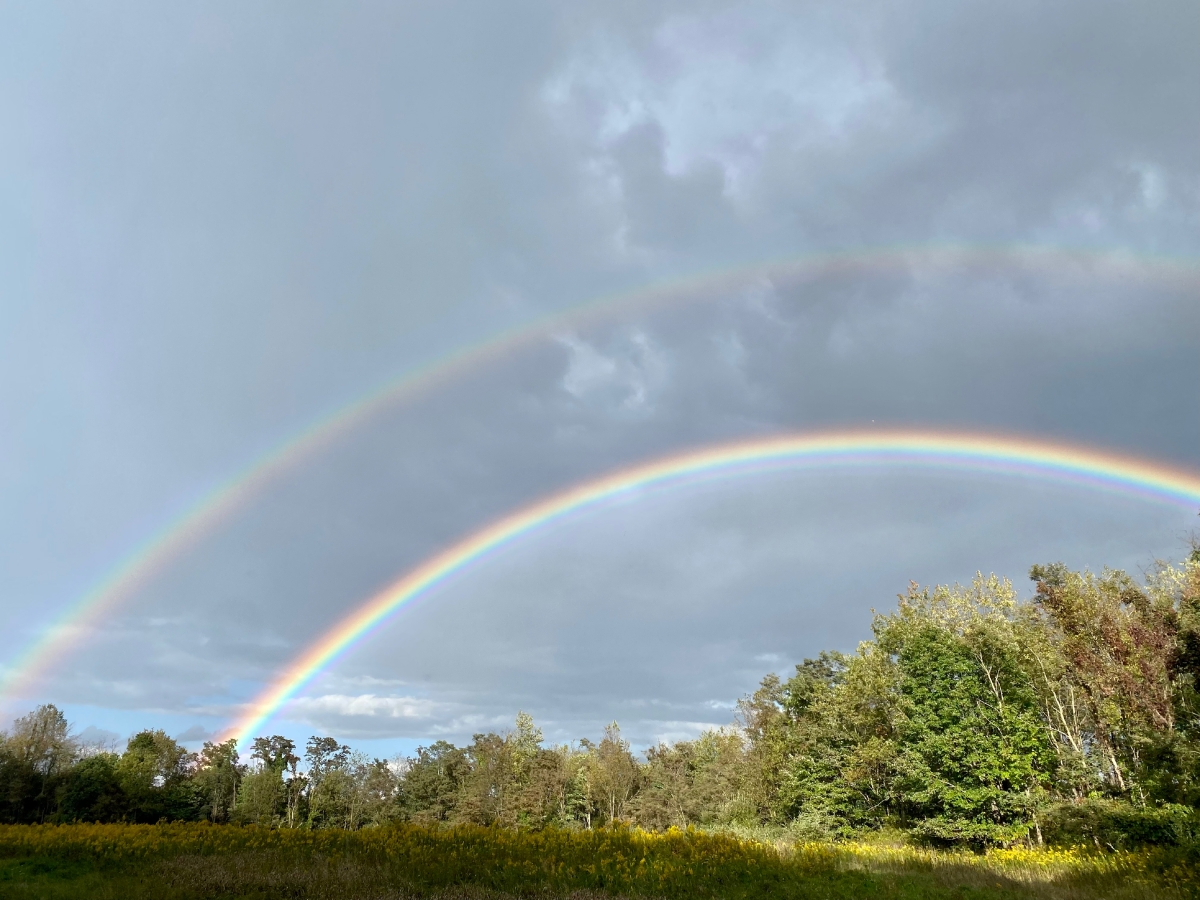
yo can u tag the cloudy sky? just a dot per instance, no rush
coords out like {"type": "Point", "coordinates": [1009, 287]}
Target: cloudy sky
{"type": "Point", "coordinates": [222, 223]}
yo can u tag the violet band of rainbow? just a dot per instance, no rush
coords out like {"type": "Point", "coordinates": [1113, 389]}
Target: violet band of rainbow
{"type": "Point", "coordinates": [1021, 456]}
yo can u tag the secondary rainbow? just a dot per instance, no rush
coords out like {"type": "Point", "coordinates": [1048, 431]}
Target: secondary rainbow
{"type": "Point", "coordinates": [202, 517]}
{"type": "Point", "coordinates": [936, 449]}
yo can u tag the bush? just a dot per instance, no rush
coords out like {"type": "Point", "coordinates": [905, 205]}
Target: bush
{"type": "Point", "coordinates": [1117, 825]}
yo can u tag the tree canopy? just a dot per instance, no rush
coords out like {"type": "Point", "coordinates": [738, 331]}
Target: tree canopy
{"type": "Point", "coordinates": [968, 716]}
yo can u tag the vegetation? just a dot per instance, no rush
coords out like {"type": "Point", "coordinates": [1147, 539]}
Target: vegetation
{"type": "Point", "coordinates": [185, 860]}
{"type": "Point", "coordinates": [970, 721]}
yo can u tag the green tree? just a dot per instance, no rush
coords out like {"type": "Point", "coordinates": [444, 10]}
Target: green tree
{"type": "Point", "coordinates": [429, 788]}
{"type": "Point", "coordinates": [486, 796]}
{"type": "Point", "coordinates": [20, 787]}
{"type": "Point", "coordinates": [218, 778]}
{"type": "Point", "coordinates": [545, 796]}
{"type": "Point", "coordinates": [328, 762]}
{"type": "Point", "coordinates": [377, 788]}
{"type": "Point", "coordinates": [769, 734]}
{"type": "Point", "coordinates": [92, 791]}
{"type": "Point", "coordinates": [975, 757]}
{"type": "Point", "coordinates": [838, 741]}
{"type": "Point", "coordinates": [612, 774]}
{"type": "Point", "coordinates": [154, 772]}
{"type": "Point", "coordinates": [264, 796]}
{"type": "Point", "coordinates": [694, 783]}
{"type": "Point", "coordinates": [36, 755]}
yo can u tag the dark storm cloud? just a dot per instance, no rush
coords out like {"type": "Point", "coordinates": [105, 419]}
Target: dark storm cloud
{"type": "Point", "coordinates": [222, 223]}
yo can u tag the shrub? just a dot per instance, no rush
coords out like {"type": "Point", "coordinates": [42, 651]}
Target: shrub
{"type": "Point", "coordinates": [1118, 825]}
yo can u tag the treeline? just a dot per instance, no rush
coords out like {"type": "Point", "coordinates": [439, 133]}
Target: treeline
{"type": "Point", "coordinates": [969, 717]}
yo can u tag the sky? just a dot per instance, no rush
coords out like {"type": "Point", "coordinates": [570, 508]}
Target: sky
{"type": "Point", "coordinates": [220, 224]}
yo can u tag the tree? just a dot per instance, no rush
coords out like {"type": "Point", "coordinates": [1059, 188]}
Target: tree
{"type": "Point", "coordinates": [525, 739]}
{"type": "Point", "coordinates": [974, 757]}
{"type": "Point", "coordinates": [43, 740]}
{"type": "Point", "coordinates": [490, 781]}
{"type": "Point", "coordinates": [154, 773]}
{"type": "Point", "coordinates": [511, 780]}
{"type": "Point", "coordinates": [218, 778]}
{"type": "Point", "coordinates": [346, 789]}
{"type": "Point", "coordinates": [20, 788]}
{"type": "Point", "coordinates": [694, 783]}
{"type": "Point", "coordinates": [327, 781]}
{"type": "Point", "coordinates": [39, 750]}
{"type": "Point", "coordinates": [544, 796]}
{"type": "Point", "coordinates": [430, 787]}
{"type": "Point", "coordinates": [377, 786]}
{"type": "Point", "coordinates": [837, 741]}
{"type": "Point", "coordinates": [264, 797]}
{"type": "Point", "coordinates": [762, 720]}
{"type": "Point", "coordinates": [1120, 647]}
{"type": "Point", "coordinates": [612, 773]}
{"type": "Point", "coordinates": [92, 791]}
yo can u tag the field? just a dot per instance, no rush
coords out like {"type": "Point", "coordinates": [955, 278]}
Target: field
{"type": "Point", "coordinates": [181, 862]}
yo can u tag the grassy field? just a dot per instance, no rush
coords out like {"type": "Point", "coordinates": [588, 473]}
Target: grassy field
{"type": "Point", "coordinates": [181, 862]}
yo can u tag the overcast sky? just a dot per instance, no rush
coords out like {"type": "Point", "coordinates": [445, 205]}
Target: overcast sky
{"type": "Point", "coordinates": [221, 222]}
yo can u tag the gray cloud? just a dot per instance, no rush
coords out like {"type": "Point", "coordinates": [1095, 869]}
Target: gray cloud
{"type": "Point", "coordinates": [221, 224]}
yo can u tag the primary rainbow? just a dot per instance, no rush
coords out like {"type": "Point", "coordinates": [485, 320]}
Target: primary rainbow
{"type": "Point", "coordinates": [938, 449]}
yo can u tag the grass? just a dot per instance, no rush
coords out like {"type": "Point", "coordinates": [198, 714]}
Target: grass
{"type": "Point", "coordinates": [182, 862]}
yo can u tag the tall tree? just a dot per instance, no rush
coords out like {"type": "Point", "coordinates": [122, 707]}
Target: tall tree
{"type": "Point", "coordinates": [1120, 644]}
{"type": "Point", "coordinates": [429, 792]}
{"type": "Point", "coordinates": [40, 749]}
{"type": "Point", "coordinates": [612, 773]}
{"type": "Point", "coordinates": [328, 781]}
{"type": "Point", "coordinates": [218, 778]}
{"type": "Point", "coordinates": [265, 797]}
{"type": "Point", "coordinates": [154, 773]}
{"type": "Point", "coordinates": [974, 758]}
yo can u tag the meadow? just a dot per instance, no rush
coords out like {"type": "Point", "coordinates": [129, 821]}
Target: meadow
{"type": "Point", "coordinates": [189, 860]}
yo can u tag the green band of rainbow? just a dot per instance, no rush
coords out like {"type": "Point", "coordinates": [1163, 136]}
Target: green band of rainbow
{"type": "Point", "coordinates": [975, 452]}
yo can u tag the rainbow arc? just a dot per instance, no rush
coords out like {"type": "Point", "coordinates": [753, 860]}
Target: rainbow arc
{"type": "Point", "coordinates": [938, 450]}
{"type": "Point", "coordinates": [202, 518]}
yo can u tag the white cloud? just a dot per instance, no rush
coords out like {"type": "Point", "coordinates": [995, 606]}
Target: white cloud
{"type": "Point", "coordinates": [629, 376]}
{"type": "Point", "coordinates": [364, 705]}
{"type": "Point", "coordinates": [588, 369]}
{"type": "Point", "coordinates": [681, 731]}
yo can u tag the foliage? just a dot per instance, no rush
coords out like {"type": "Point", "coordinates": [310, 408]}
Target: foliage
{"type": "Point", "coordinates": [970, 718]}
{"type": "Point", "coordinates": [202, 860]}
{"type": "Point", "coordinates": [432, 782]}
{"type": "Point", "coordinates": [694, 783]}
{"type": "Point", "coordinates": [217, 777]}
{"type": "Point", "coordinates": [972, 758]}
{"type": "Point", "coordinates": [153, 773]}
{"type": "Point", "coordinates": [92, 791]}
{"type": "Point", "coordinates": [1120, 826]}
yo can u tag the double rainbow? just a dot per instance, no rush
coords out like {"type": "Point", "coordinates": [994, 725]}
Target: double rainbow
{"type": "Point", "coordinates": [939, 450]}
{"type": "Point", "coordinates": [203, 517]}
